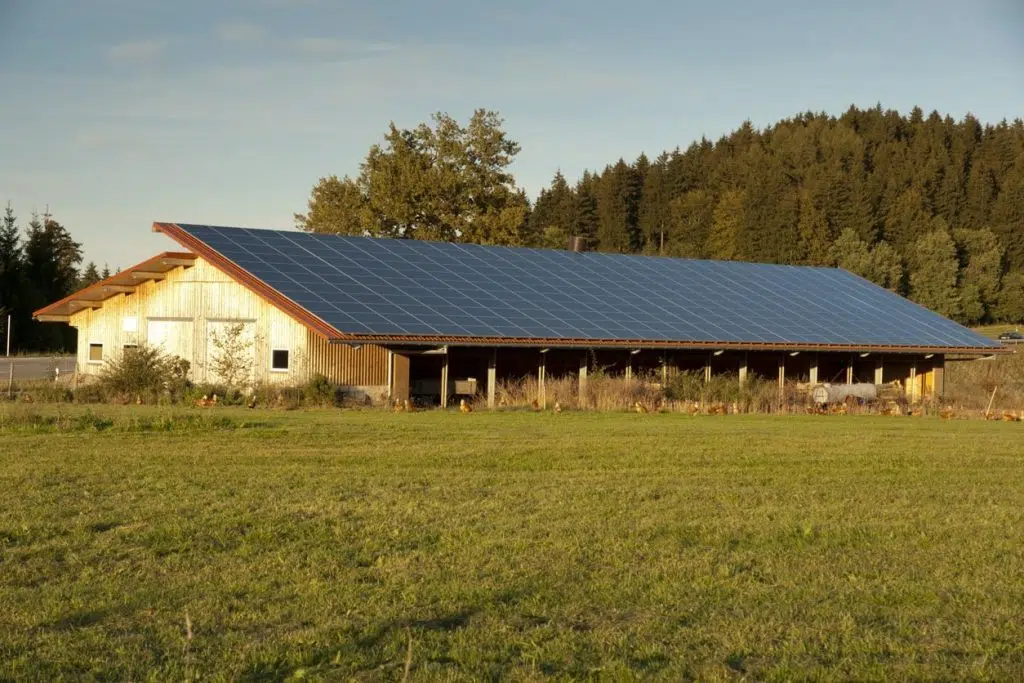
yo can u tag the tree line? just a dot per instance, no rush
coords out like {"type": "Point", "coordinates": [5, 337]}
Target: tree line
{"type": "Point", "coordinates": [927, 206]}
{"type": "Point", "coordinates": [39, 264]}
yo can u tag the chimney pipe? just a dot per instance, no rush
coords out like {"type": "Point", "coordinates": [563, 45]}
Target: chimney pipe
{"type": "Point", "coordinates": [576, 243]}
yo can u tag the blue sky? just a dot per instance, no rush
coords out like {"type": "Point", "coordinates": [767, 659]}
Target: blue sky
{"type": "Point", "coordinates": [116, 113]}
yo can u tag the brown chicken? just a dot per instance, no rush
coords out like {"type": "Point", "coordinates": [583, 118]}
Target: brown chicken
{"type": "Point", "coordinates": [465, 407]}
{"type": "Point", "coordinates": [639, 407]}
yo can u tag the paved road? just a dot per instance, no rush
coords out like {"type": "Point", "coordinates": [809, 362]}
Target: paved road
{"type": "Point", "coordinates": [35, 367]}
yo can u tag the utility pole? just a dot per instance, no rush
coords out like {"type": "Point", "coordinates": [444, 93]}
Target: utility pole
{"type": "Point", "coordinates": [10, 364]}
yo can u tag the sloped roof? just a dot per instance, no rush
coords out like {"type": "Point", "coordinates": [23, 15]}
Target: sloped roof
{"type": "Point", "coordinates": [359, 289]}
{"type": "Point", "coordinates": [123, 282]}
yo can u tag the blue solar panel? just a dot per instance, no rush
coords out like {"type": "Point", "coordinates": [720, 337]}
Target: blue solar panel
{"type": "Point", "coordinates": [367, 286]}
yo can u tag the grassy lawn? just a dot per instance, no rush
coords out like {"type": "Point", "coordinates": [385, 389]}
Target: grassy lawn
{"type": "Point", "coordinates": [340, 544]}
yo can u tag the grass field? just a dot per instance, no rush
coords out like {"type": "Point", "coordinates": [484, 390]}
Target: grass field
{"type": "Point", "coordinates": [354, 545]}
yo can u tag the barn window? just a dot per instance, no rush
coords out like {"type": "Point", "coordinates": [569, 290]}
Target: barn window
{"type": "Point", "coordinates": [95, 353]}
{"type": "Point", "coordinates": [279, 360]}
{"type": "Point", "coordinates": [130, 347]}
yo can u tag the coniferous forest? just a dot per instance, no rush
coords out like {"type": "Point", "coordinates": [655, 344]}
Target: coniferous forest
{"type": "Point", "coordinates": [928, 206]}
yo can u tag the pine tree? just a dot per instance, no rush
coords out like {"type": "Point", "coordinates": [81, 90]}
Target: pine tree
{"type": "Point", "coordinates": [726, 226]}
{"type": "Point", "coordinates": [981, 263]}
{"type": "Point", "coordinates": [618, 195]}
{"type": "Point", "coordinates": [655, 212]}
{"type": "Point", "coordinates": [90, 276]}
{"type": "Point", "coordinates": [813, 232]}
{"type": "Point", "coordinates": [851, 253]}
{"type": "Point", "coordinates": [585, 211]}
{"type": "Point", "coordinates": [691, 220]}
{"type": "Point", "coordinates": [11, 264]}
{"type": "Point", "coordinates": [1009, 306]}
{"type": "Point", "coordinates": [552, 220]}
{"type": "Point", "coordinates": [51, 273]}
{"type": "Point", "coordinates": [935, 270]}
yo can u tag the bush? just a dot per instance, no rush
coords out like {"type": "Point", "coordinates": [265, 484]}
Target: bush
{"type": "Point", "coordinates": [145, 373]}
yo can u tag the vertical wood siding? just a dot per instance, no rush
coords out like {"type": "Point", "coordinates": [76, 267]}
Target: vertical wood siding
{"type": "Point", "coordinates": [340, 363]}
{"type": "Point", "coordinates": [207, 297]}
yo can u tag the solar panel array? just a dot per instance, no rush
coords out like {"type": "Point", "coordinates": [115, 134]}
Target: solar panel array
{"type": "Point", "coordinates": [370, 286]}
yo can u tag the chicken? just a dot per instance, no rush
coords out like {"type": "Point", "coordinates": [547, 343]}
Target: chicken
{"type": "Point", "coordinates": [204, 402]}
{"type": "Point", "coordinates": [399, 406]}
{"type": "Point", "coordinates": [946, 413]}
{"type": "Point", "coordinates": [535, 404]}
{"type": "Point", "coordinates": [917, 411]}
{"type": "Point", "coordinates": [693, 408]}
{"type": "Point", "coordinates": [718, 409]}
{"type": "Point", "coordinates": [1010, 416]}
{"type": "Point", "coordinates": [558, 407]}
{"type": "Point", "coordinates": [735, 408]}
{"type": "Point", "coordinates": [138, 400]}
{"type": "Point", "coordinates": [408, 407]}
{"type": "Point", "coordinates": [214, 399]}
{"type": "Point", "coordinates": [464, 407]}
{"type": "Point", "coordinates": [639, 407]}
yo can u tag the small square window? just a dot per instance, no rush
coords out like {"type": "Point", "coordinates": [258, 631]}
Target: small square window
{"type": "Point", "coordinates": [95, 353]}
{"type": "Point", "coordinates": [279, 359]}
{"type": "Point", "coordinates": [130, 347]}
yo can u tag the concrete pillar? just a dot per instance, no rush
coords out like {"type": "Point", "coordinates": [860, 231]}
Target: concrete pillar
{"type": "Point", "coordinates": [492, 378]}
{"type": "Point", "coordinates": [849, 371]}
{"type": "Point", "coordinates": [444, 381]}
{"type": "Point", "coordinates": [743, 369]}
{"type": "Point", "coordinates": [878, 370]}
{"type": "Point", "coordinates": [782, 376]}
{"type": "Point", "coordinates": [913, 382]}
{"type": "Point", "coordinates": [664, 370]}
{"type": "Point", "coordinates": [813, 373]}
{"type": "Point", "coordinates": [707, 369]}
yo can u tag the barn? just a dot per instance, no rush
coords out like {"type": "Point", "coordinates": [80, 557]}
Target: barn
{"type": "Point", "coordinates": [390, 318]}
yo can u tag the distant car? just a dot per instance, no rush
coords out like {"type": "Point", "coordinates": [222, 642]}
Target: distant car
{"type": "Point", "coordinates": [1013, 335]}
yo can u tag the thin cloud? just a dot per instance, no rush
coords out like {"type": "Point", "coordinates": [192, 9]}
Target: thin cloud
{"type": "Point", "coordinates": [240, 32]}
{"type": "Point", "coordinates": [136, 51]}
{"type": "Point", "coordinates": [338, 47]}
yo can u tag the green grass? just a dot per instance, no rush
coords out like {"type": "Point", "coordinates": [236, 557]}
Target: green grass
{"type": "Point", "coordinates": [994, 331]}
{"type": "Point", "coordinates": [510, 546]}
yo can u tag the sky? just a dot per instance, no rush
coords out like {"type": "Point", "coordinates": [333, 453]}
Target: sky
{"type": "Point", "coordinates": [118, 113]}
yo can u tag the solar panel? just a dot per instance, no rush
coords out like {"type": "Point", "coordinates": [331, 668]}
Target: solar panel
{"type": "Point", "coordinates": [367, 286]}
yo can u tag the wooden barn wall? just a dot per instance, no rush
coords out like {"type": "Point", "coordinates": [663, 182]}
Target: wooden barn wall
{"type": "Point", "coordinates": [340, 363]}
{"type": "Point", "coordinates": [207, 297]}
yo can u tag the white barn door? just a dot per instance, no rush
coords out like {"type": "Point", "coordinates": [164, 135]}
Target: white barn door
{"type": "Point", "coordinates": [173, 337]}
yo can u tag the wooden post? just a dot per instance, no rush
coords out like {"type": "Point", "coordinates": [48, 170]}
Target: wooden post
{"type": "Point", "coordinates": [541, 378]}
{"type": "Point", "coordinates": [629, 369]}
{"type": "Point", "coordinates": [399, 377]}
{"type": "Point", "coordinates": [743, 369]}
{"type": "Point", "coordinates": [849, 371]}
{"type": "Point", "coordinates": [940, 376]}
{"type": "Point", "coordinates": [878, 370]}
{"type": "Point", "coordinates": [664, 370]}
{"type": "Point", "coordinates": [782, 377]}
{"type": "Point", "coordinates": [492, 378]}
{"type": "Point", "coordinates": [583, 377]}
{"type": "Point", "coordinates": [707, 370]}
{"type": "Point", "coordinates": [913, 381]}
{"type": "Point", "coordinates": [813, 373]}
{"type": "Point", "coordinates": [444, 380]}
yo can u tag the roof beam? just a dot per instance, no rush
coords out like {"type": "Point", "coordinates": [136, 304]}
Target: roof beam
{"type": "Point", "coordinates": [124, 289]}
{"type": "Point", "coordinates": [51, 318]}
{"type": "Point", "coordinates": [183, 262]}
{"type": "Point", "coordinates": [148, 275]}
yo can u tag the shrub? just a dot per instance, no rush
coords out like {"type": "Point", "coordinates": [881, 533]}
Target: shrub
{"type": "Point", "coordinates": [145, 373]}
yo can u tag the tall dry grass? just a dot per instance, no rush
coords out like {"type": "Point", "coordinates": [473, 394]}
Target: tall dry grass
{"type": "Point", "coordinates": [969, 384]}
